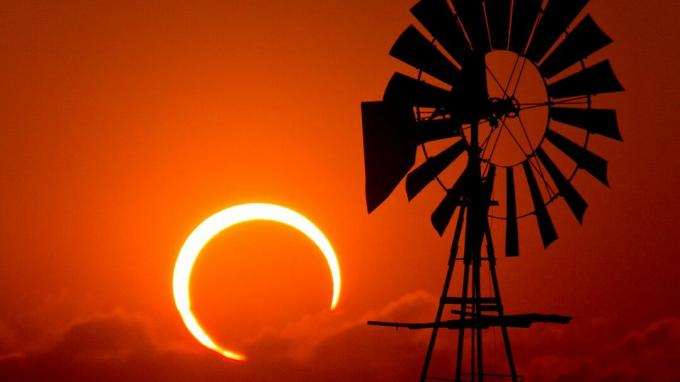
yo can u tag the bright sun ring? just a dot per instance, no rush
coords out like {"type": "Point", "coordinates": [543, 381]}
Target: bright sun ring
{"type": "Point", "coordinates": [219, 222]}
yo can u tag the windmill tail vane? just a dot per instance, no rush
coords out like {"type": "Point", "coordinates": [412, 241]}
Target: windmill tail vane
{"type": "Point", "coordinates": [515, 145]}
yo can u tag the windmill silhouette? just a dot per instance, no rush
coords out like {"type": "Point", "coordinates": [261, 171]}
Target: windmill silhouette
{"type": "Point", "coordinates": [452, 106]}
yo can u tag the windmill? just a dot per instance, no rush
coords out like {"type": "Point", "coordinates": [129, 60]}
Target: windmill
{"type": "Point", "coordinates": [524, 143]}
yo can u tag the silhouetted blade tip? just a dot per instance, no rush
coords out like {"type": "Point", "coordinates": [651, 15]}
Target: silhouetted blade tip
{"type": "Point", "coordinates": [556, 18]}
{"type": "Point", "coordinates": [545, 225]}
{"type": "Point", "coordinates": [419, 178]}
{"type": "Point", "coordinates": [596, 79]}
{"type": "Point", "coordinates": [592, 163]}
{"type": "Point", "coordinates": [511, 229]}
{"type": "Point", "coordinates": [408, 91]}
{"type": "Point", "coordinates": [595, 121]}
{"type": "Point", "coordinates": [442, 215]}
{"type": "Point", "coordinates": [549, 241]}
{"type": "Point", "coordinates": [574, 200]}
{"type": "Point", "coordinates": [416, 50]}
{"type": "Point", "coordinates": [440, 22]}
{"type": "Point", "coordinates": [471, 14]}
{"type": "Point", "coordinates": [586, 39]}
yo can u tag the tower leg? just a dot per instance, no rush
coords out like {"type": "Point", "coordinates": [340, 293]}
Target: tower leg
{"type": "Point", "coordinates": [477, 314]}
{"type": "Point", "coordinates": [463, 313]}
{"type": "Point", "coordinates": [445, 292]}
{"type": "Point", "coordinates": [471, 296]}
{"type": "Point", "coordinates": [477, 199]}
{"type": "Point", "coordinates": [497, 292]}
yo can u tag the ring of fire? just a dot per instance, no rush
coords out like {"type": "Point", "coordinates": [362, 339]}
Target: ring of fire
{"type": "Point", "coordinates": [219, 222]}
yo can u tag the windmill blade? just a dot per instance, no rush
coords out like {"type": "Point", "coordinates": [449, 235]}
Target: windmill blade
{"type": "Point", "coordinates": [414, 49]}
{"type": "Point", "coordinates": [571, 196]}
{"type": "Point", "coordinates": [434, 129]}
{"type": "Point", "coordinates": [405, 90]}
{"type": "Point", "coordinates": [586, 39]}
{"type": "Point", "coordinates": [511, 229]}
{"type": "Point", "coordinates": [472, 16]}
{"type": "Point", "coordinates": [437, 18]}
{"type": "Point", "coordinates": [596, 79]}
{"type": "Point", "coordinates": [428, 171]}
{"type": "Point", "coordinates": [556, 18]}
{"type": "Point", "coordinates": [524, 16]}
{"type": "Point", "coordinates": [388, 151]}
{"type": "Point", "coordinates": [595, 121]}
{"type": "Point", "coordinates": [498, 14]}
{"type": "Point", "coordinates": [545, 225]}
{"type": "Point", "coordinates": [447, 207]}
{"type": "Point", "coordinates": [585, 159]}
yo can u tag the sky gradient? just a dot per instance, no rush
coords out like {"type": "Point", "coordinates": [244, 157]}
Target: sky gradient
{"type": "Point", "coordinates": [124, 125]}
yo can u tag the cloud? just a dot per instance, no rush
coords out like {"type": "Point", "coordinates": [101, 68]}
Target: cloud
{"type": "Point", "coordinates": [99, 344]}
{"type": "Point", "coordinates": [300, 339]}
{"type": "Point", "coordinates": [8, 343]}
{"type": "Point", "coordinates": [649, 354]}
{"type": "Point", "coordinates": [104, 337]}
{"type": "Point", "coordinates": [118, 347]}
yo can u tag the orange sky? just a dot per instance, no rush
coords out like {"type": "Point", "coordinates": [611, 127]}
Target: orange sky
{"type": "Point", "coordinates": [123, 125]}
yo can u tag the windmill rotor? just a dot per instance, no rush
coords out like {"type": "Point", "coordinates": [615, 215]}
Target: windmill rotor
{"type": "Point", "coordinates": [502, 109]}
{"type": "Point", "coordinates": [450, 52]}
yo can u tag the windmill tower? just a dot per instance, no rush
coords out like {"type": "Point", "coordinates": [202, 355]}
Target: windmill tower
{"type": "Point", "coordinates": [524, 144]}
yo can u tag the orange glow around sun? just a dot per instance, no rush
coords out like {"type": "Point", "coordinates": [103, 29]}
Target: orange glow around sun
{"type": "Point", "coordinates": [219, 222]}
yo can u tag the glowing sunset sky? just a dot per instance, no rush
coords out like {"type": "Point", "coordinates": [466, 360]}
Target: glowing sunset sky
{"type": "Point", "coordinates": [124, 124]}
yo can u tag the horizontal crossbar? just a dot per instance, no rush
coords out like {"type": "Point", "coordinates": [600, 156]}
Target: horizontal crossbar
{"type": "Point", "coordinates": [484, 322]}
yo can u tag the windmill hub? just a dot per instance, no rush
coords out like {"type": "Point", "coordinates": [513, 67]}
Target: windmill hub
{"type": "Point", "coordinates": [502, 107]}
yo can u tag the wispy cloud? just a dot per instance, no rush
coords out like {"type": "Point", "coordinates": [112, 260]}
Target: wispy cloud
{"type": "Point", "coordinates": [121, 347]}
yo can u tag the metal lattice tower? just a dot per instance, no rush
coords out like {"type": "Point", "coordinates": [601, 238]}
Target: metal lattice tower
{"type": "Point", "coordinates": [450, 103]}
